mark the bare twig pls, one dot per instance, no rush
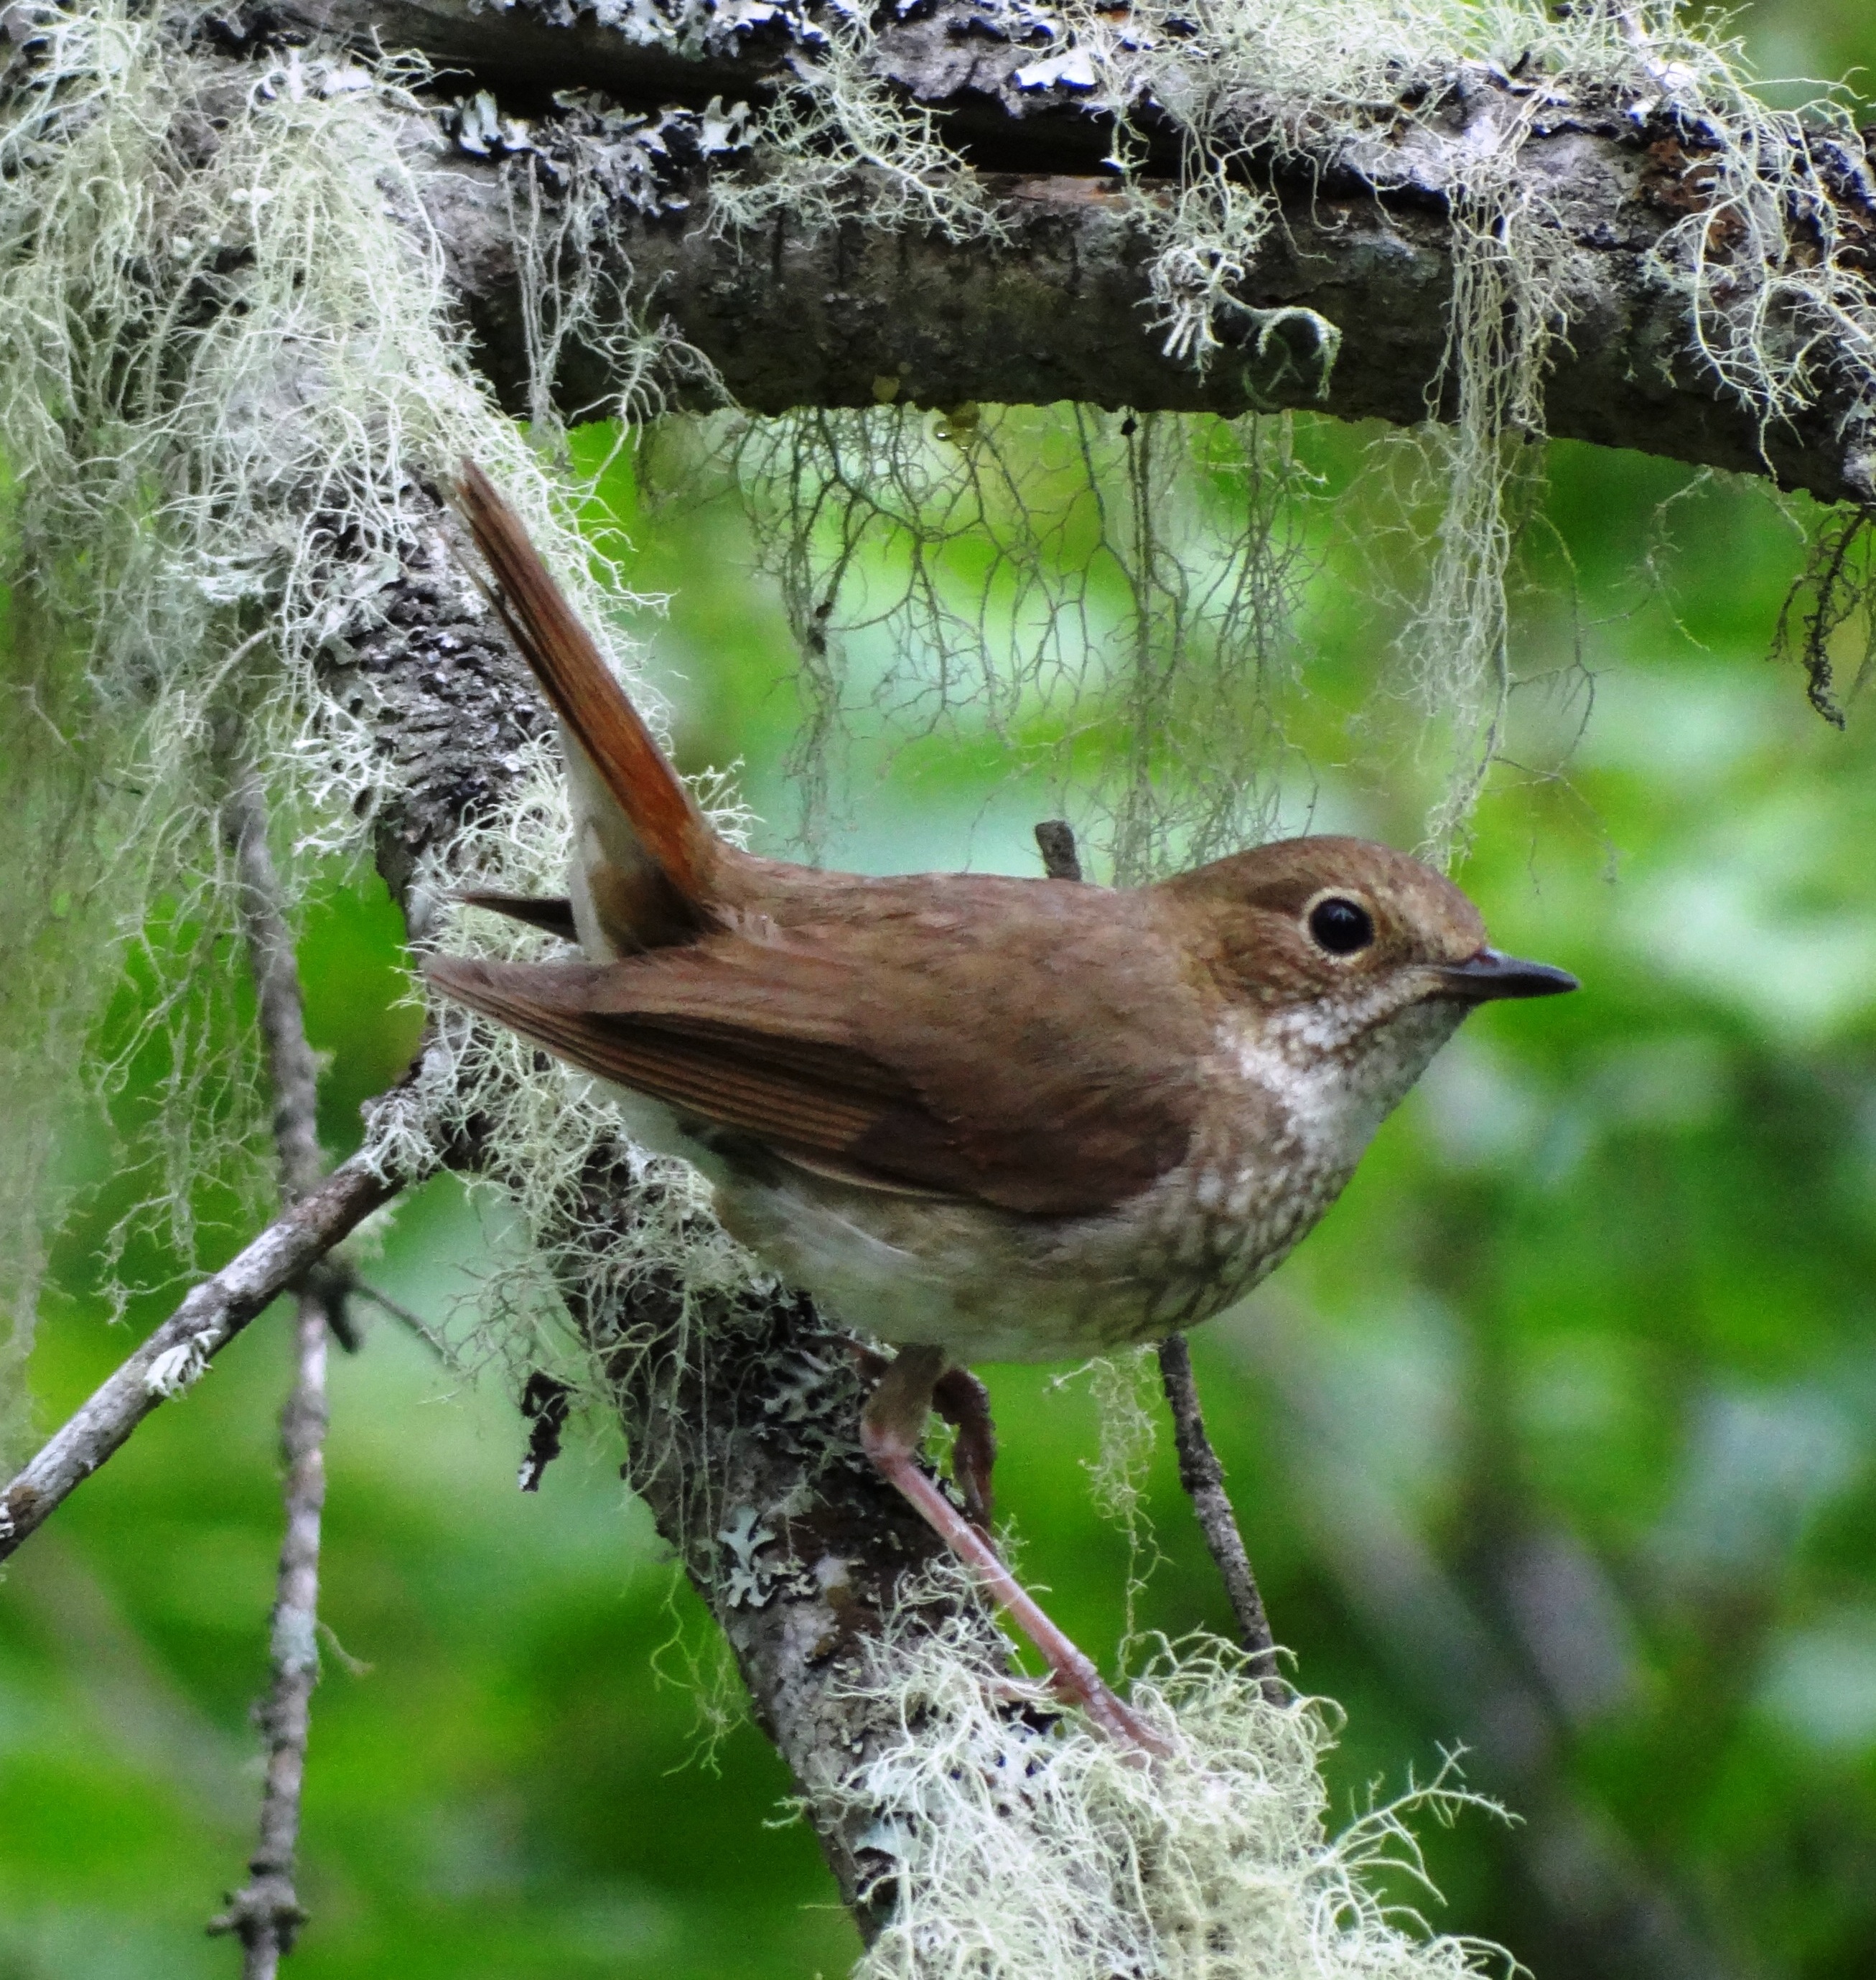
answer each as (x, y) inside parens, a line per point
(266, 1913)
(293, 1071)
(1203, 1476)
(178, 1351)
(1055, 842)
(1200, 1471)
(364, 1290)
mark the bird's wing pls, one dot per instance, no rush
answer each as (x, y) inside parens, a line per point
(924, 1078)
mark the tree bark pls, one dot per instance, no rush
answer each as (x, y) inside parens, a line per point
(1056, 309)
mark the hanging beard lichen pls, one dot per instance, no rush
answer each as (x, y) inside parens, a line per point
(1109, 600)
(846, 500)
(232, 361)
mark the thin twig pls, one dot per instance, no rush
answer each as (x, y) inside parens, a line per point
(293, 1071)
(1200, 1471)
(1203, 1476)
(265, 1914)
(1055, 842)
(364, 1290)
(178, 1351)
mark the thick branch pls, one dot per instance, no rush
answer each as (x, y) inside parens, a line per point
(740, 1414)
(1057, 308)
(172, 1359)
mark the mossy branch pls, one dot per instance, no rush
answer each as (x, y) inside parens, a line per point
(1745, 346)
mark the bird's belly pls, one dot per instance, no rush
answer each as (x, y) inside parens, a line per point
(991, 1285)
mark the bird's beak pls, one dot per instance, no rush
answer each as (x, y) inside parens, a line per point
(1492, 973)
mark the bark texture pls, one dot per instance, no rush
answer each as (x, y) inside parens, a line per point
(1056, 309)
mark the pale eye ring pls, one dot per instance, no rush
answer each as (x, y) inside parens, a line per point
(1339, 926)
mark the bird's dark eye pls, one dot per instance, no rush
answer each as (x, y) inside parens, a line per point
(1341, 926)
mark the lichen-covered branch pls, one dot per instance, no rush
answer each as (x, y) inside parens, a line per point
(176, 1354)
(1053, 296)
(740, 1411)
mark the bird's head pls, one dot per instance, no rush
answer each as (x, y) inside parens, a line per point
(1336, 944)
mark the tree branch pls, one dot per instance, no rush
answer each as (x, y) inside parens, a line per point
(1056, 308)
(1203, 1476)
(266, 1913)
(173, 1357)
(292, 1073)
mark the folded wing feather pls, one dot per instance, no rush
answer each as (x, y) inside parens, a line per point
(886, 1084)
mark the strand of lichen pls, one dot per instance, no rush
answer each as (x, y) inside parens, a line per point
(1110, 599)
(232, 361)
(1324, 82)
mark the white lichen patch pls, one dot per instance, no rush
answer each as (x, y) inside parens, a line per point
(1013, 1851)
(176, 1368)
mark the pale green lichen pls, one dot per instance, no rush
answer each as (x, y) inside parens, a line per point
(1012, 1852)
(1373, 83)
(232, 359)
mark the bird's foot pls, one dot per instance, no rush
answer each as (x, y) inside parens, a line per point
(964, 1402)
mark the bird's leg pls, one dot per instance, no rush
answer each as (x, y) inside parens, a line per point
(963, 1401)
(891, 1428)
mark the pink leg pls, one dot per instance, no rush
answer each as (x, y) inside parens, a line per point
(891, 1427)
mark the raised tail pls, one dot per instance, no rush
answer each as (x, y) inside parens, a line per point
(652, 883)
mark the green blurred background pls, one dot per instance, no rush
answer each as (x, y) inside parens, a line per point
(1558, 1440)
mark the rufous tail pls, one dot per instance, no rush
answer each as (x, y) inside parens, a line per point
(595, 708)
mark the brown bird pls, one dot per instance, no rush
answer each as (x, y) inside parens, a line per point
(983, 1118)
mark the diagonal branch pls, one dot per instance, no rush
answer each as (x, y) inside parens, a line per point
(176, 1354)
(740, 1409)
